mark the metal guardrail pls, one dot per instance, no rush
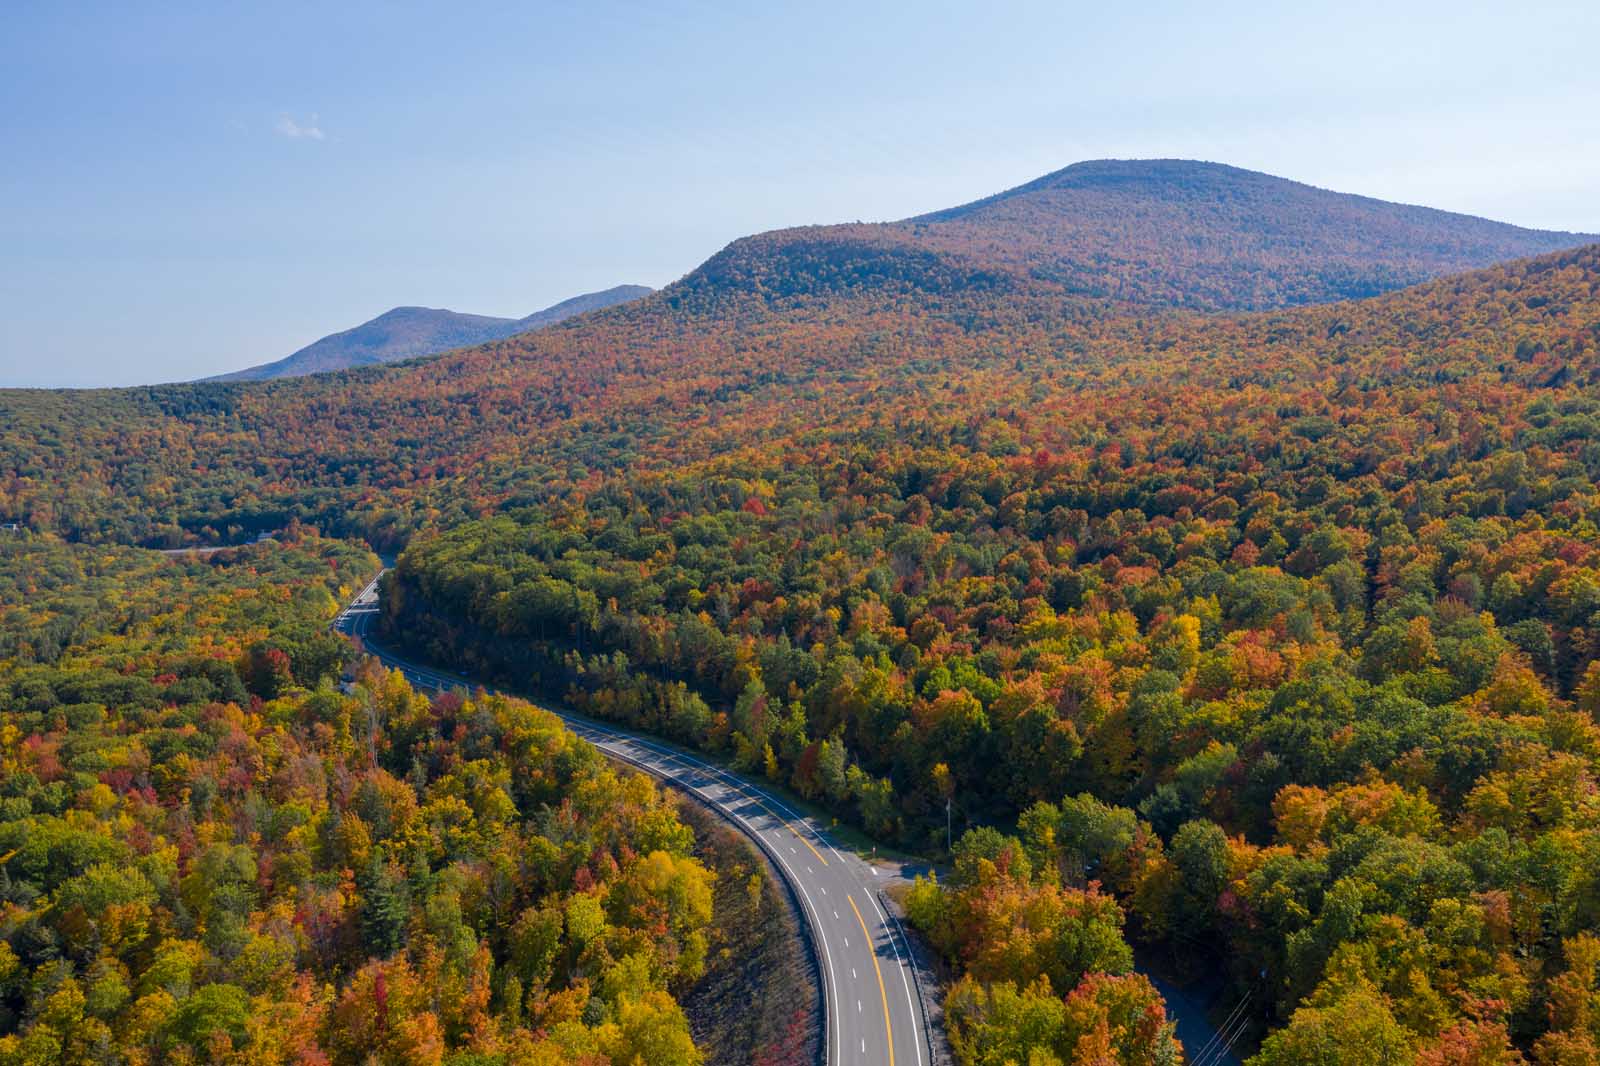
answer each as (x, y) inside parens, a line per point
(928, 1040)
(790, 889)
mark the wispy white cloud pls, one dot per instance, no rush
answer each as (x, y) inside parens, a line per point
(300, 131)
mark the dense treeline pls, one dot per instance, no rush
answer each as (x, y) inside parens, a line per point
(757, 1001)
(1021, 939)
(209, 853)
(1268, 637)
(1322, 634)
(79, 626)
(1166, 232)
(836, 333)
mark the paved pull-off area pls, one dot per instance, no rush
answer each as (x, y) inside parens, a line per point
(872, 1012)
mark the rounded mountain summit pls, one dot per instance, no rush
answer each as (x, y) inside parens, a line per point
(1171, 232)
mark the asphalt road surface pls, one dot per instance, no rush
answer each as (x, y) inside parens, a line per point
(872, 1013)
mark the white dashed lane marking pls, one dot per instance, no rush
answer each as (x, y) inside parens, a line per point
(706, 785)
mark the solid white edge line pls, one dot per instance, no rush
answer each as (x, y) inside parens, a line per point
(916, 1016)
(822, 933)
(736, 785)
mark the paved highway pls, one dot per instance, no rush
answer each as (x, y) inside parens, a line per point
(872, 1012)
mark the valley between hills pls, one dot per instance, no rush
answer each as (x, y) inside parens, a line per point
(1185, 563)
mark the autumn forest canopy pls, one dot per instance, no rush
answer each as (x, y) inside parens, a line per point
(1224, 553)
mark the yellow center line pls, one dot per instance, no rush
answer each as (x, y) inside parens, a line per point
(883, 994)
(803, 840)
(740, 792)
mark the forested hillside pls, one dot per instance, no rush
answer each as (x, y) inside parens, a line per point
(209, 853)
(1267, 636)
(1283, 629)
(1163, 232)
(777, 332)
(1215, 237)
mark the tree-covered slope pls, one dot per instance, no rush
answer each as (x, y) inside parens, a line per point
(384, 450)
(1170, 232)
(1280, 625)
(1210, 236)
(1284, 629)
(212, 852)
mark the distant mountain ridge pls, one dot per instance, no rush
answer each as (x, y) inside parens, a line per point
(799, 330)
(1015, 501)
(1176, 233)
(409, 332)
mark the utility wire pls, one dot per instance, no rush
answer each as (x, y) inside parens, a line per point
(1222, 1043)
(1216, 1046)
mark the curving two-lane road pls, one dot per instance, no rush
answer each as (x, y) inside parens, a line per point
(872, 1012)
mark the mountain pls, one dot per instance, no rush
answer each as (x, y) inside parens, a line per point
(589, 301)
(1275, 631)
(408, 332)
(1176, 233)
(823, 330)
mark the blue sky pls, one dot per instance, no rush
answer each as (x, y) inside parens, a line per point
(192, 188)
